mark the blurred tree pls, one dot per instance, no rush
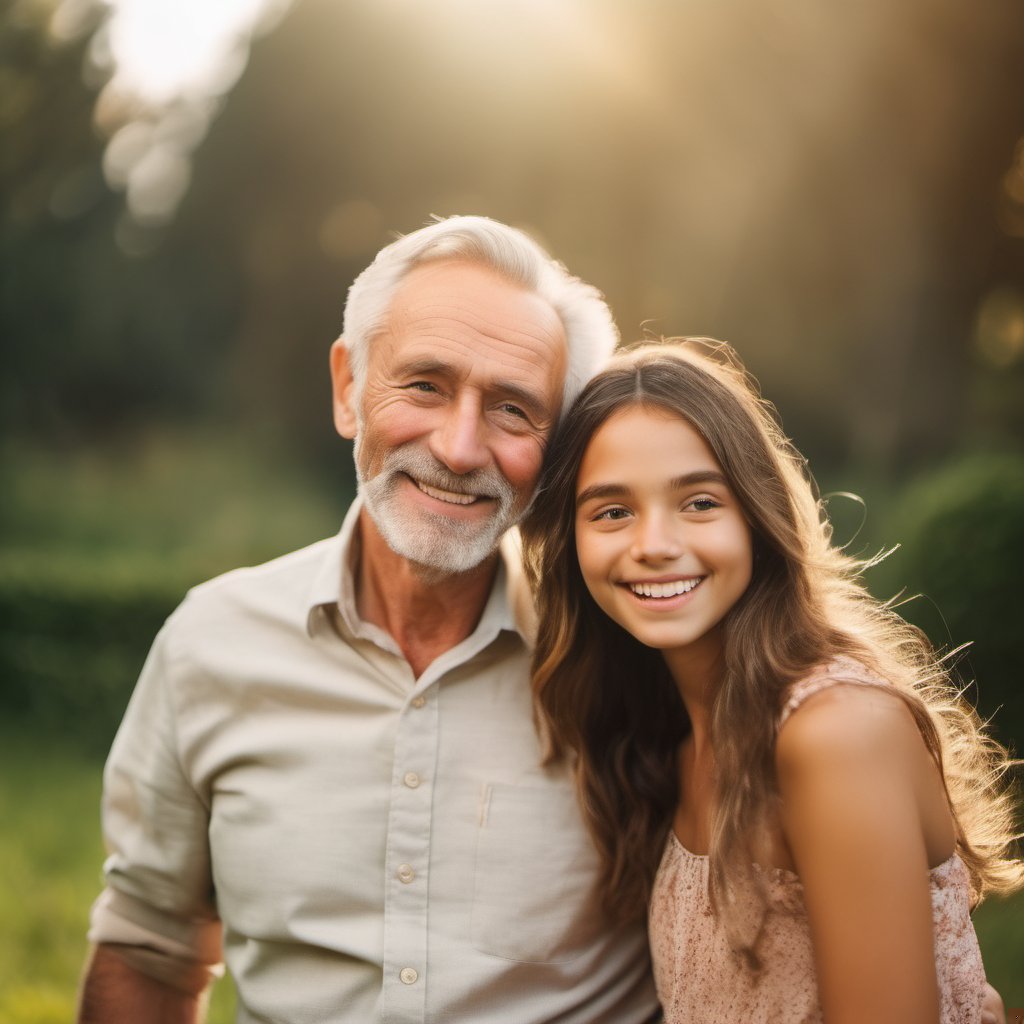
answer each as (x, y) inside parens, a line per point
(95, 340)
(817, 187)
(823, 198)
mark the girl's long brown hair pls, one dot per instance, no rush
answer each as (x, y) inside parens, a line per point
(610, 702)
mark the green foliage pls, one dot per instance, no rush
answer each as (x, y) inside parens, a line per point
(1000, 928)
(962, 530)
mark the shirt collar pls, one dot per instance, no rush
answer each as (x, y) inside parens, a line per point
(509, 607)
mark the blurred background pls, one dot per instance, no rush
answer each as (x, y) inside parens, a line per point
(188, 188)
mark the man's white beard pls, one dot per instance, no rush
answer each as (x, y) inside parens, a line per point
(447, 545)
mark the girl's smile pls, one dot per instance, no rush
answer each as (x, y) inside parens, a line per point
(663, 590)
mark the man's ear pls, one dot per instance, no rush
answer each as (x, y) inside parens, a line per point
(344, 390)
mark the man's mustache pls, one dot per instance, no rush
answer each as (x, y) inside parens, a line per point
(424, 468)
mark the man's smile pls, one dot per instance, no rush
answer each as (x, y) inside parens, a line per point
(458, 499)
(452, 497)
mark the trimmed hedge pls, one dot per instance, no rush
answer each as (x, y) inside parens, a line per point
(99, 545)
(962, 529)
(72, 642)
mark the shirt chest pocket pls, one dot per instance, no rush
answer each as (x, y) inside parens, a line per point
(535, 869)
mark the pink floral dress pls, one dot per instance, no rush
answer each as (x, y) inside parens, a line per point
(698, 977)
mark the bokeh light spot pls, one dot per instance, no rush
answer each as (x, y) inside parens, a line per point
(999, 329)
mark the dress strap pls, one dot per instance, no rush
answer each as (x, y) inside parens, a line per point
(842, 670)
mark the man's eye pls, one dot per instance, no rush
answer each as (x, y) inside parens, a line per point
(421, 385)
(513, 410)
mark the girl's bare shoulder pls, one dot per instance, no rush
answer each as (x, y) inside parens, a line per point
(841, 714)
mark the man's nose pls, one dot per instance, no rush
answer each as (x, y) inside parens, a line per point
(458, 441)
(658, 537)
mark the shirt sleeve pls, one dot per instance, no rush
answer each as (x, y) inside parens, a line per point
(159, 895)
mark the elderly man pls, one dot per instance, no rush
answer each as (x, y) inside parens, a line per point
(328, 770)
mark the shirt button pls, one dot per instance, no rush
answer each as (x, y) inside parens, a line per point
(408, 975)
(418, 702)
(406, 873)
(411, 779)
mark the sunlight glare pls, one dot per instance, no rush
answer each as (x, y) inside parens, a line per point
(162, 50)
(167, 65)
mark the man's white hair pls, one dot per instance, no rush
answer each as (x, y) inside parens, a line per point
(590, 332)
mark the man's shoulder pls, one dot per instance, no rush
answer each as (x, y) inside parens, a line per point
(281, 586)
(302, 564)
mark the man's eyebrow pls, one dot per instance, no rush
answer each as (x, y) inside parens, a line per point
(425, 366)
(532, 402)
(678, 483)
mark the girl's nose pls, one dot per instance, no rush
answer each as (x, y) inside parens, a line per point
(658, 538)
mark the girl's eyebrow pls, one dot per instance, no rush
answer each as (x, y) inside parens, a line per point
(699, 476)
(678, 483)
(602, 491)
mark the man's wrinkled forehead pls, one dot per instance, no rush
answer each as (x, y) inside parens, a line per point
(464, 317)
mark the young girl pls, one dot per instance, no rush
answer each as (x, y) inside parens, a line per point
(772, 763)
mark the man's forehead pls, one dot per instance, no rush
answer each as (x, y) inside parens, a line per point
(471, 291)
(465, 315)
(454, 274)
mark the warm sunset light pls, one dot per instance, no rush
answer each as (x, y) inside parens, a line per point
(334, 752)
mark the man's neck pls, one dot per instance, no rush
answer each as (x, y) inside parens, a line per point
(425, 612)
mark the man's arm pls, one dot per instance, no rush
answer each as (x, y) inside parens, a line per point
(114, 992)
(154, 929)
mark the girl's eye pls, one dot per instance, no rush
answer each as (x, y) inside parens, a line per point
(703, 504)
(612, 514)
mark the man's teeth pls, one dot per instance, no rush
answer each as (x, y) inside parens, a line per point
(452, 497)
(672, 589)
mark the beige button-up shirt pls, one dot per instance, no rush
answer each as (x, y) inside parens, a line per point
(362, 845)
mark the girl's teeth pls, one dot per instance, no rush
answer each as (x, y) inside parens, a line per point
(672, 589)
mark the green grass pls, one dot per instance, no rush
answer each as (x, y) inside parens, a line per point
(50, 858)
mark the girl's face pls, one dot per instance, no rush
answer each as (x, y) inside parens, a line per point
(663, 546)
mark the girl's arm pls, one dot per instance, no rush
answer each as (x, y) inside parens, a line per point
(851, 765)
